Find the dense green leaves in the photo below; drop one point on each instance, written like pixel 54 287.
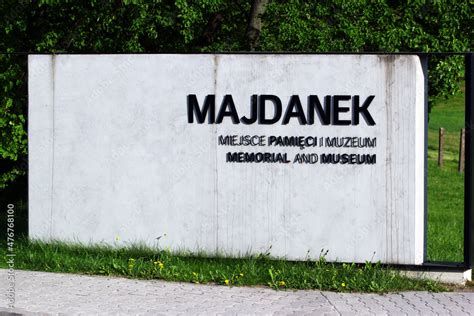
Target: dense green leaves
pixel 216 25
pixel 376 26
pixel 13 138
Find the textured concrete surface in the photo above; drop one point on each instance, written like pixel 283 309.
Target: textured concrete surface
pixel 109 134
pixel 450 277
pixel 53 293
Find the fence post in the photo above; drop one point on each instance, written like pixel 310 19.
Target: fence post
pixel 461 150
pixel 441 147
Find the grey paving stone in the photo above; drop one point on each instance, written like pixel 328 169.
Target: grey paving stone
pixel 41 293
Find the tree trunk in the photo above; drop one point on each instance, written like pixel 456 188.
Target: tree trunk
pixel 211 29
pixel 255 23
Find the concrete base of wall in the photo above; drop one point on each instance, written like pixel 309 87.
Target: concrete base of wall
pixel 452 277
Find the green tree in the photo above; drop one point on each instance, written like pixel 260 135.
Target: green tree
pixel 211 26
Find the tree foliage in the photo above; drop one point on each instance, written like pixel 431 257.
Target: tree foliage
pixel 126 26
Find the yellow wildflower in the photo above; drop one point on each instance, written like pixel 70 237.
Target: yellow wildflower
pixel 159 264
pixel 226 282
pixel 282 283
pixel 343 284
pixel 131 263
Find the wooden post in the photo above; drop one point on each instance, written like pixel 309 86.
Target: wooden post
pixel 441 147
pixel 461 150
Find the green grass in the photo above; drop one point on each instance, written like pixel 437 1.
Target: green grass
pixel 445 214
pixel 146 263
pixel 445 185
pixel 449 114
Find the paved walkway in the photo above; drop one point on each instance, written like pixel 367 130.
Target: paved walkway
pixel 45 293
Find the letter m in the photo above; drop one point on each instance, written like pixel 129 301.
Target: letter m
pixel 208 109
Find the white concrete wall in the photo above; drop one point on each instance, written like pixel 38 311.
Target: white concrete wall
pixel 112 155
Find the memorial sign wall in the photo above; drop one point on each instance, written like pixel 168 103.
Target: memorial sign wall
pixel 231 154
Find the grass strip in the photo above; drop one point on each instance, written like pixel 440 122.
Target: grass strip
pixel 142 262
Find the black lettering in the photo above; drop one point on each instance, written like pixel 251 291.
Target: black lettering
pixel 271 140
pixel 294 109
pixel 276 105
pixel 337 109
pixel 314 105
pixel 232 157
pixel 358 110
pixel 228 103
pixel 253 112
pixel 208 109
